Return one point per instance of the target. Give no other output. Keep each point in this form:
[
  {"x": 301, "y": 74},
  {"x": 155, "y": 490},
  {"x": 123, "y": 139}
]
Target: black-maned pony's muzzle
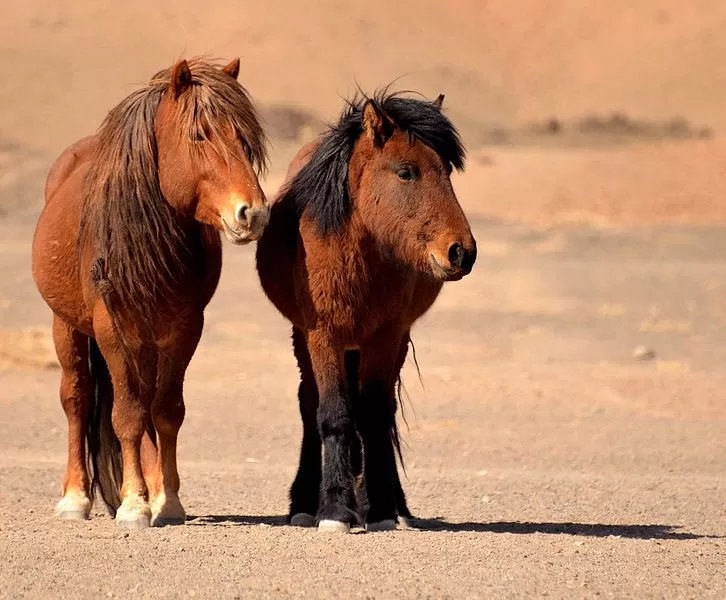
[{"x": 457, "y": 263}]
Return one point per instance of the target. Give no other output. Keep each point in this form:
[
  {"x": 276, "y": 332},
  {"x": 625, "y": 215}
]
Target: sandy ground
[{"x": 542, "y": 458}]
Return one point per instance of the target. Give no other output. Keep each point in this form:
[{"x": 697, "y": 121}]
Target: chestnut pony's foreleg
[
  {"x": 134, "y": 387},
  {"x": 167, "y": 413},
  {"x": 305, "y": 490},
  {"x": 75, "y": 393},
  {"x": 335, "y": 426}
]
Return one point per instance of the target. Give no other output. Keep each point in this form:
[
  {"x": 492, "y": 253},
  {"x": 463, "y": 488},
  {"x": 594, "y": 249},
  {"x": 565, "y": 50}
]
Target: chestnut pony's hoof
[
  {"x": 134, "y": 513},
  {"x": 73, "y": 507}
]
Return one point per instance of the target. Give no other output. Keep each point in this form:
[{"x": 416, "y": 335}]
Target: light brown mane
[{"x": 139, "y": 245}]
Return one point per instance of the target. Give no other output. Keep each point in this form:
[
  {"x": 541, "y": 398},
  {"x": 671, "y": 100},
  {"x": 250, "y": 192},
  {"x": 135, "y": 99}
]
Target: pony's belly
[{"x": 56, "y": 272}]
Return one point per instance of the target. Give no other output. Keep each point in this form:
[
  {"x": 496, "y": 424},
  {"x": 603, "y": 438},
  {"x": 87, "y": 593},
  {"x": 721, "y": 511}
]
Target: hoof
[
  {"x": 327, "y": 525},
  {"x": 167, "y": 510},
  {"x": 73, "y": 507},
  {"x": 134, "y": 513},
  {"x": 302, "y": 520},
  {"x": 385, "y": 525},
  {"x": 72, "y": 515},
  {"x": 167, "y": 521},
  {"x": 140, "y": 522}
]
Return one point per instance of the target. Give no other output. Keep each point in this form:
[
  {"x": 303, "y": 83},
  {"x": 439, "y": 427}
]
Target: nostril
[
  {"x": 241, "y": 213},
  {"x": 456, "y": 255},
  {"x": 469, "y": 260}
]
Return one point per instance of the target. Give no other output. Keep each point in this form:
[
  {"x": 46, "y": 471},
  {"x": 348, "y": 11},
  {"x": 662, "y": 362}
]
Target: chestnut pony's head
[
  {"x": 211, "y": 148},
  {"x": 386, "y": 164},
  {"x": 182, "y": 154}
]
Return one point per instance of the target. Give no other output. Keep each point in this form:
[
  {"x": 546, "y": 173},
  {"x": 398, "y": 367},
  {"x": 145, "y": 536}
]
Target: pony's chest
[{"x": 354, "y": 295}]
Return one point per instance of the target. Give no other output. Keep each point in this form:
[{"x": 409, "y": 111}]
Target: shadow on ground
[{"x": 640, "y": 532}]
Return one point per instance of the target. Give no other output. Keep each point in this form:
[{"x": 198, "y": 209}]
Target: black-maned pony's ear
[
  {"x": 181, "y": 78},
  {"x": 376, "y": 124},
  {"x": 232, "y": 69},
  {"x": 439, "y": 102}
]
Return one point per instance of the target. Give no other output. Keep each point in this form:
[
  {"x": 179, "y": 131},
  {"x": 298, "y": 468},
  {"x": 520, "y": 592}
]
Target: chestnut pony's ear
[
  {"x": 232, "y": 69},
  {"x": 438, "y": 103},
  {"x": 376, "y": 124},
  {"x": 181, "y": 78}
]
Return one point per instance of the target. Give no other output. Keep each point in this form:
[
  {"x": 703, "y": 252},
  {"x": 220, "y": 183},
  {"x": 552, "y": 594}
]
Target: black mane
[{"x": 320, "y": 190}]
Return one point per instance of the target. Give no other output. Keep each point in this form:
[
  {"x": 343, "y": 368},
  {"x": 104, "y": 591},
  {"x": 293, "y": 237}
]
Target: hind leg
[
  {"x": 304, "y": 492},
  {"x": 167, "y": 413},
  {"x": 75, "y": 393}
]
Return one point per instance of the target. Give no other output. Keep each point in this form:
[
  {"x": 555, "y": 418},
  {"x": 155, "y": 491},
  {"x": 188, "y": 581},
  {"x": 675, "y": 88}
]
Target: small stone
[{"x": 643, "y": 353}]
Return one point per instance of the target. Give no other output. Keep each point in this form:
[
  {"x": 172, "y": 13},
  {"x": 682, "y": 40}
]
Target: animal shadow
[
  {"x": 598, "y": 530},
  {"x": 227, "y": 520}
]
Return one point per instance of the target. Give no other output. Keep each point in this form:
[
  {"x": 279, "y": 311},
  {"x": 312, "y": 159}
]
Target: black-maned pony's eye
[{"x": 406, "y": 172}]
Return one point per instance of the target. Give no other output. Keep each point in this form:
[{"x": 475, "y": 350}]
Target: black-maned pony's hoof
[
  {"x": 330, "y": 526},
  {"x": 336, "y": 517},
  {"x": 385, "y": 525},
  {"x": 302, "y": 519}
]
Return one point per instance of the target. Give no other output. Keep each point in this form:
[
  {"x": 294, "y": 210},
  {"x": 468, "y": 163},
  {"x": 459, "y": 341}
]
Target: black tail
[
  {"x": 399, "y": 397},
  {"x": 104, "y": 449}
]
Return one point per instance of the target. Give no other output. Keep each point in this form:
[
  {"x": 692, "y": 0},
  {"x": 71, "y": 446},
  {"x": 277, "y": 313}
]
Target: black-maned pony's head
[{"x": 387, "y": 163}]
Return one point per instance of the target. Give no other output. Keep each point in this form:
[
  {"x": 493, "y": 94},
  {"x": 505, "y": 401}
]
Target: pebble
[{"x": 643, "y": 353}]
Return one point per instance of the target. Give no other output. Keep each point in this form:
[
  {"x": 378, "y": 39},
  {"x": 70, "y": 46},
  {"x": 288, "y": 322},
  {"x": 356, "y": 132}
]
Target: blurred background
[{"x": 608, "y": 112}]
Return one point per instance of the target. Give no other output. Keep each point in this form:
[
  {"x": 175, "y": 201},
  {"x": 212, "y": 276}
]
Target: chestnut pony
[
  {"x": 363, "y": 235},
  {"x": 127, "y": 254}
]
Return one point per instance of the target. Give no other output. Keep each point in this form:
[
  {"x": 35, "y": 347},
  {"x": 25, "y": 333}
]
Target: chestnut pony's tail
[{"x": 104, "y": 449}]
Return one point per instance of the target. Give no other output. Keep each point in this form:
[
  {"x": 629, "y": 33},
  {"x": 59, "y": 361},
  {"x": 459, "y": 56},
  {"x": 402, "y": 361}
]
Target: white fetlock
[
  {"x": 167, "y": 510},
  {"x": 385, "y": 525},
  {"x": 74, "y": 506},
  {"x": 302, "y": 520},
  {"x": 134, "y": 513},
  {"x": 327, "y": 525}
]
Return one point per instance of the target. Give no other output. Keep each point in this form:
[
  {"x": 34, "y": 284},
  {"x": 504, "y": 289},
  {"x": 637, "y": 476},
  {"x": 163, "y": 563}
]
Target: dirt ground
[{"x": 543, "y": 457}]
